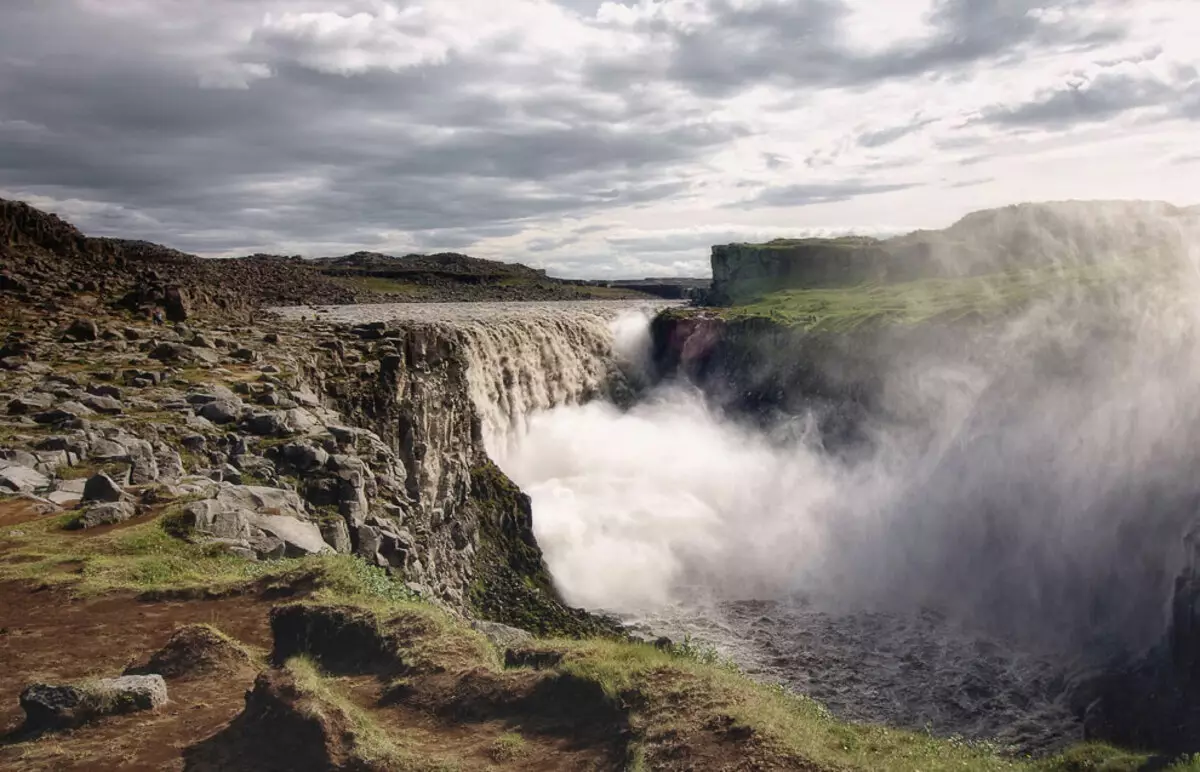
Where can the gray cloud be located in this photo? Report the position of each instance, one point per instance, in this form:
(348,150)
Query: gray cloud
(1104,97)
(230,126)
(821,193)
(801,43)
(888,136)
(120,115)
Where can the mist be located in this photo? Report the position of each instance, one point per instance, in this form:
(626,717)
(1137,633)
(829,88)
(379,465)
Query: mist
(1036,481)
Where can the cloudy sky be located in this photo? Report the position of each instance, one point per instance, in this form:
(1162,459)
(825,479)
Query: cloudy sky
(614,138)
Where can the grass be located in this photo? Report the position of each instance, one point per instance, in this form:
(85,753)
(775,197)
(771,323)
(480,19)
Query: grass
(688,680)
(114,469)
(383,285)
(846,309)
(509,747)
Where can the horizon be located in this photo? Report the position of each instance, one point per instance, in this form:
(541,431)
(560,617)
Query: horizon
(601,140)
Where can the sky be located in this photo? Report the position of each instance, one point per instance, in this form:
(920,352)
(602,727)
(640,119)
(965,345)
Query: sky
(605,139)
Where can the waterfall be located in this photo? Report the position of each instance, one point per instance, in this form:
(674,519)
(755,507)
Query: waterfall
(545,358)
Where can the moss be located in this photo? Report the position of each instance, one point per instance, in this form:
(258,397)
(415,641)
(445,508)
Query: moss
(512,584)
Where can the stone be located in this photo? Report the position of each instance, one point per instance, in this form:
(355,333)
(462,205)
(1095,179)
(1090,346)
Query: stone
(220,412)
(271,521)
(502,636)
(177,305)
(337,535)
(101,487)
(34,402)
(269,424)
(105,513)
(82,330)
(245,355)
(49,706)
(173,352)
(304,457)
(15,478)
(105,405)
(105,390)
(56,417)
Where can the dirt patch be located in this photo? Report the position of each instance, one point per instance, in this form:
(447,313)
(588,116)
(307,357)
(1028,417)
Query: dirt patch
(19,510)
(54,638)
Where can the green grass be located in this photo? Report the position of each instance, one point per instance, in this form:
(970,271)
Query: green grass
(845,309)
(145,558)
(370,742)
(383,285)
(509,747)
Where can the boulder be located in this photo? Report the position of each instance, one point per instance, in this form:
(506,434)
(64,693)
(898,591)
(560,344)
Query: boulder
(502,636)
(101,487)
(105,405)
(271,522)
(177,305)
(268,424)
(34,402)
(82,330)
(173,352)
(105,513)
(15,478)
(221,411)
(59,707)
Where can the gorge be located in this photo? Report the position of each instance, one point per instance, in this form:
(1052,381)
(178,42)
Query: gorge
(961,505)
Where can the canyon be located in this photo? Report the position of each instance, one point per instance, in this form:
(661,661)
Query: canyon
(974,521)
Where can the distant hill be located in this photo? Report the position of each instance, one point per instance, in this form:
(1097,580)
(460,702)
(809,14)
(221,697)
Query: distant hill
(43,258)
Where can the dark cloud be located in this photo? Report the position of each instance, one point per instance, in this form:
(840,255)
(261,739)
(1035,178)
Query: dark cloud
(1100,99)
(111,107)
(821,193)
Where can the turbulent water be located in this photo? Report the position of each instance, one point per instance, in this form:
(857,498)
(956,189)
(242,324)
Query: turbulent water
(685,524)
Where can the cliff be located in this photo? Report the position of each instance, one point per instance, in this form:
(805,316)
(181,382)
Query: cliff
(1052,236)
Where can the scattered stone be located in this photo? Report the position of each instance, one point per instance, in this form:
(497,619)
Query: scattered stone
(104,390)
(173,352)
(101,487)
(60,707)
(245,355)
(15,478)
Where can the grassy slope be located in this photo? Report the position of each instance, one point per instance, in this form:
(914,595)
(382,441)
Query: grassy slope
(842,309)
(144,558)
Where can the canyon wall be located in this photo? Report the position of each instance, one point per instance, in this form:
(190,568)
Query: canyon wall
(1060,235)
(446,399)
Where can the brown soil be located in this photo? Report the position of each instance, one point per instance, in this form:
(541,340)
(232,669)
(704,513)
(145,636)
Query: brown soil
(49,636)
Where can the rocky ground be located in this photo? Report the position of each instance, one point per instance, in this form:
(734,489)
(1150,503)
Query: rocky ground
(45,259)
